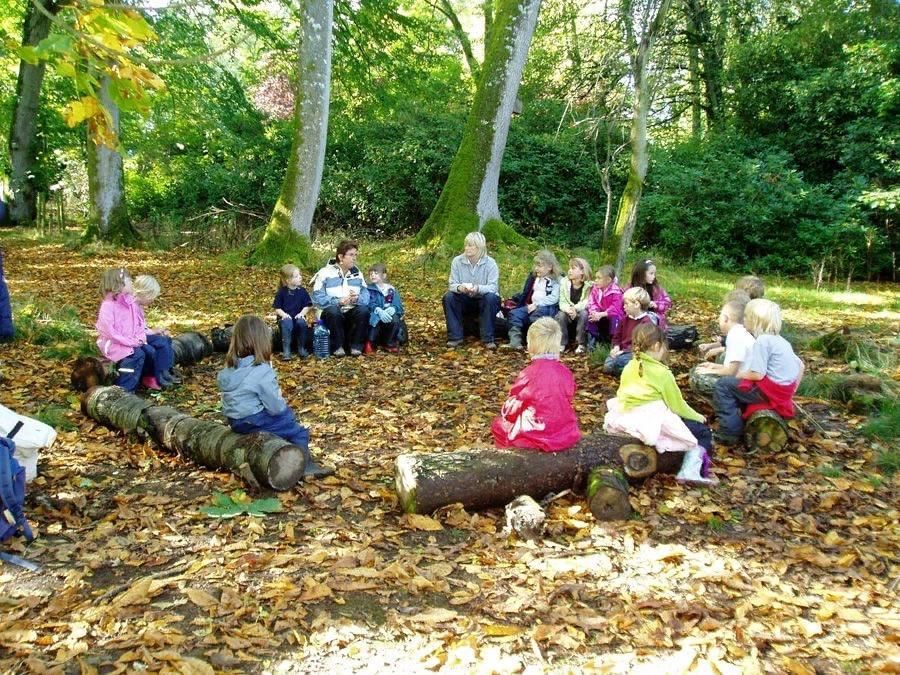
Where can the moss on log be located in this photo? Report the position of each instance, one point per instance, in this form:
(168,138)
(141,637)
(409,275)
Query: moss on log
(271,461)
(481,478)
(765,430)
(607,494)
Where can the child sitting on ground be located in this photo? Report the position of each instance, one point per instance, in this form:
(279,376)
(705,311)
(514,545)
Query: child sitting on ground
(643,275)
(738,341)
(604,307)
(746,288)
(292,304)
(767,380)
(538,410)
(386,311)
(635,301)
(574,290)
(251,398)
(751,285)
(649,406)
(121,334)
(146,290)
(539,297)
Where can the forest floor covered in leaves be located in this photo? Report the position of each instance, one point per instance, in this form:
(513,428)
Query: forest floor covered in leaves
(790,564)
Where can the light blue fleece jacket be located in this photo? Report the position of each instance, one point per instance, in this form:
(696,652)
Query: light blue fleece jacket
(249,389)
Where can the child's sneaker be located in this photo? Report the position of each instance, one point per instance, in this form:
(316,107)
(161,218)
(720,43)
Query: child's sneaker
(287,356)
(150,383)
(579,349)
(303,353)
(368,348)
(393,349)
(724,439)
(174,377)
(339,352)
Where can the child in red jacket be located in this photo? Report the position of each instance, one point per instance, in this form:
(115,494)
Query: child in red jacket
(538,410)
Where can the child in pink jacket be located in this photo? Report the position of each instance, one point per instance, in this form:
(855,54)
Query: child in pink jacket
(604,308)
(121,336)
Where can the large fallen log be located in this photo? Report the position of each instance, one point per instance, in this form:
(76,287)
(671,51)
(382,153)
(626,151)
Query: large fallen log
(262,459)
(481,478)
(92,371)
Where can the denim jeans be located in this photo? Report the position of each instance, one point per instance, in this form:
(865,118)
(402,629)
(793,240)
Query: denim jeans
(729,401)
(352,324)
(614,365)
(291,327)
(163,357)
(284,425)
(458,305)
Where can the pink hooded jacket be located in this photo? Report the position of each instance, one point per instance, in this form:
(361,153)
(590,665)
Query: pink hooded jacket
(120,326)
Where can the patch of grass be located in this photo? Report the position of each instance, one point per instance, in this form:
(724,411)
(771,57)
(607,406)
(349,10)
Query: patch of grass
(43,324)
(885,425)
(716,524)
(830,470)
(598,355)
(797,337)
(63,351)
(56,416)
(818,386)
(875,480)
(888,462)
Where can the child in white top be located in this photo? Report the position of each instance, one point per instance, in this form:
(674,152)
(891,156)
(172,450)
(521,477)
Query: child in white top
(738,341)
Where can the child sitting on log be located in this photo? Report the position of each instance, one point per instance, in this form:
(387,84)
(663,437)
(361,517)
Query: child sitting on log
(121,334)
(636,302)
(146,290)
(538,410)
(767,380)
(604,307)
(251,397)
(386,312)
(649,406)
(292,305)
(738,342)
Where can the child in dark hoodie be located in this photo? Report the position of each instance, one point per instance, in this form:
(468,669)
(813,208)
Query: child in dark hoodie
(251,397)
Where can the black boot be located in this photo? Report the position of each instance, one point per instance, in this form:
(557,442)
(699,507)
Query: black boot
(312,469)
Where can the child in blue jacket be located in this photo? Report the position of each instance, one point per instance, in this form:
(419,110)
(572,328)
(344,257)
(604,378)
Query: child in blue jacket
(386,311)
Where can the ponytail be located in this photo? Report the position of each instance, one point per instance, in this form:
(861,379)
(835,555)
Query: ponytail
(645,336)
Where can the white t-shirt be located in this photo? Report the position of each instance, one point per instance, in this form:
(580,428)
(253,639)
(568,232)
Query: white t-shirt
(738,344)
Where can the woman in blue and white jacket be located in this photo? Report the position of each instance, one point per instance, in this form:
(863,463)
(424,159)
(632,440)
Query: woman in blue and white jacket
(339,290)
(539,297)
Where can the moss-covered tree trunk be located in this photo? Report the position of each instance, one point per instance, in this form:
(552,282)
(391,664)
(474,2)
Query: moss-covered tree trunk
(469,198)
(22,209)
(639,57)
(106,183)
(289,230)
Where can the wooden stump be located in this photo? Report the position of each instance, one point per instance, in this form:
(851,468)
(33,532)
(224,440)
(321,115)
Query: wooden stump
(765,430)
(607,494)
(702,383)
(638,460)
(481,478)
(262,459)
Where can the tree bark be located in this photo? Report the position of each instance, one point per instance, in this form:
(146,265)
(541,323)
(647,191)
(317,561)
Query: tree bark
(640,51)
(290,228)
(262,459)
(481,478)
(469,198)
(22,209)
(106,182)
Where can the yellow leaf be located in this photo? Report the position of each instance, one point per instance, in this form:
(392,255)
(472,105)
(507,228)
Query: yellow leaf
(859,629)
(201,598)
(500,630)
(435,615)
(810,628)
(419,522)
(137,594)
(80,110)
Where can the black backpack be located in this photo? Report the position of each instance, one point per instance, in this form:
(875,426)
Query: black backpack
(682,337)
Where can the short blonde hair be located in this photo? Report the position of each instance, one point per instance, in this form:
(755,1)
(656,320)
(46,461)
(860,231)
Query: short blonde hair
(545,257)
(734,309)
(762,317)
(146,288)
(544,337)
(637,294)
(112,280)
(477,239)
(287,271)
(752,285)
(583,265)
(250,336)
(738,295)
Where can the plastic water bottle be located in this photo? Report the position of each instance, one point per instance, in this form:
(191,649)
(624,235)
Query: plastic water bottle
(321,341)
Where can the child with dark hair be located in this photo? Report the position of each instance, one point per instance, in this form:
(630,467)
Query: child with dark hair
(644,276)
(6,321)
(251,397)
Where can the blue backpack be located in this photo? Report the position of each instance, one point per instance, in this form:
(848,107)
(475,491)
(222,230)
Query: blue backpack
(12,490)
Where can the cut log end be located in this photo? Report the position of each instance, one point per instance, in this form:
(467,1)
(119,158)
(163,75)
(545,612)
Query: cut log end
(285,468)
(638,461)
(607,495)
(765,431)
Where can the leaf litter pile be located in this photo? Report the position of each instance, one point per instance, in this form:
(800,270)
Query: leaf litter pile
(789,565)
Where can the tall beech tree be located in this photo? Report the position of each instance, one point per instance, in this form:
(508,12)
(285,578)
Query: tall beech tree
(25,114)
(469,198)
(290,227)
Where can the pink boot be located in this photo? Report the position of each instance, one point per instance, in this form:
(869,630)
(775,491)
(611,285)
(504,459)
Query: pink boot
(150,383)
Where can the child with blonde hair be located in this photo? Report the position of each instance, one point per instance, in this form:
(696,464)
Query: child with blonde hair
(574,290)
(146,290)
(767,380)
(121,331)
(605,308)
(251,397)
(738,341)
(292,304)
(753,286)
(539,297)
(538,410)
(649,406)
(636,301)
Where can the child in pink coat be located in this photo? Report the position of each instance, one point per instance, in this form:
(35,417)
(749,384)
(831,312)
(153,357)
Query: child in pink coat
(644,276)
(604,308)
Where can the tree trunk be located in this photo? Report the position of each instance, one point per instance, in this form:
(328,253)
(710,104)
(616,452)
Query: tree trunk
(290,228)
(22,209)
(469,198)
(481,478)
(640,51)
(106,183)
(262,459)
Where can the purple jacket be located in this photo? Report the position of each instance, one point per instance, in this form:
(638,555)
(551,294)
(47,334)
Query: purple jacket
(120,326)
(607,300)
(663,302)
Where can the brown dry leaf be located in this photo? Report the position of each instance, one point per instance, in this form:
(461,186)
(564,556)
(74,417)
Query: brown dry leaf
(417,521)
(434,615)
(201,598)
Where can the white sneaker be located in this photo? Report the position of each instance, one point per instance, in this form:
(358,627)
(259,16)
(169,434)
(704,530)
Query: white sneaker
(580,349)
(339,352)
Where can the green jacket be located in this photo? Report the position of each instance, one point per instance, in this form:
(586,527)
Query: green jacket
(565,287)
(655,384)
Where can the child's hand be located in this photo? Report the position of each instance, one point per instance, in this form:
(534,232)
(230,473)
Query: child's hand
(531,307)
(595,316)
(571,311)
(615,351)
(652,305)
